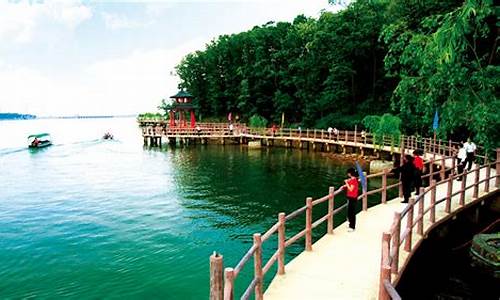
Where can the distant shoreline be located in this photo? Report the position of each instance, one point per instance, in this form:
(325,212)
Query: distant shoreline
(19,117)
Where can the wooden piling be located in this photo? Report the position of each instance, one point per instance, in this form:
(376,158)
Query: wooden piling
(449,192)
(443,168)
(365,197)
(420,223)
(216,277)
(384,186)
(281,243)
(385,269)
(228,284)
(309,208)
(433,202)
(395,243)
(257,262)
(488,176)
(331,195)
(462,189)
(475,190)
(409,225)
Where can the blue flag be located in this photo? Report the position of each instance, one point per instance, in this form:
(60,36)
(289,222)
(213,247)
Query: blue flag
(435,123)
(361,176)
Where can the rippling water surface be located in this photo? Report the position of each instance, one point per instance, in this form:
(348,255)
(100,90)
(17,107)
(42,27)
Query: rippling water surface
(92,219)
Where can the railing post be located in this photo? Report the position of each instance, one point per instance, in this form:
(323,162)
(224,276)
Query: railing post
(488,176)
(322,134)
(449,192)
(463,186)
(314,134)
(409,225)
(281,243)
(420,224)
(309,208)
(450,149)
(497,179)
(216,277)
(365,196)
(355,134)
(443,168)
(331,195)
(401,151)
(307,133)
(385,269)
(228,284)
(453,164)
(346,138)
(433,202)
(384,186)
(431,169)
(395,243)
(257,262)
(475,191)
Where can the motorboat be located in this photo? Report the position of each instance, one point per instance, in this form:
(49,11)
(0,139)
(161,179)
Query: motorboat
(40,140)
(107,136)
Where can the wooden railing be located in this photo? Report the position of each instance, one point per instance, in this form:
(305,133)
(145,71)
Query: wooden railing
(411,220)
(435,166)
(255,251)
(354,138)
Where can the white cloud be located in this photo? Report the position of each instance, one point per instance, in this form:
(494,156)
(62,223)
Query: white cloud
(126,85)
(19,21)
(115,22)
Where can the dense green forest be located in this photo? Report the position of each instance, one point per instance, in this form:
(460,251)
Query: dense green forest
(405,57)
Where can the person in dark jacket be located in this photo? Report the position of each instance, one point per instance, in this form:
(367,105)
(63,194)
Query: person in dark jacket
(408,173)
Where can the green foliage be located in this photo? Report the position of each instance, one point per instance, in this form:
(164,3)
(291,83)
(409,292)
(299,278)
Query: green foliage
(447,63)
(405,57)
(165,107)
(257,121)
(309,69)
(150,116)
(386,125)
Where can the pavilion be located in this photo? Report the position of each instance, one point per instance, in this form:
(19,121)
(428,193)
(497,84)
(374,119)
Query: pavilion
(181,106)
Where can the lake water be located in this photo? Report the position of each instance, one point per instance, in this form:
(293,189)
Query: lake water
(92,219)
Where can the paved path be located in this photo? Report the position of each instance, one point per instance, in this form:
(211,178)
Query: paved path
(346,265)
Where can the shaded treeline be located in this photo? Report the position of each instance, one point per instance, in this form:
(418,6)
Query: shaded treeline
(406,57)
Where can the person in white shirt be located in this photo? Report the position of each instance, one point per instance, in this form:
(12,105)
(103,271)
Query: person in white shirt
(330,130)
(470,149)
(461,157)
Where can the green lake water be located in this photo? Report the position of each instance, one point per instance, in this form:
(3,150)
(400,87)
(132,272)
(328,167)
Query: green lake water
(93,219)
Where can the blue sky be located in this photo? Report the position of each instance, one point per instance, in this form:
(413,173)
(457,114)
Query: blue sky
(114,57)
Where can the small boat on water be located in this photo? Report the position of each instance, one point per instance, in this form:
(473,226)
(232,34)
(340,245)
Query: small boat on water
(40,140)
(107,136)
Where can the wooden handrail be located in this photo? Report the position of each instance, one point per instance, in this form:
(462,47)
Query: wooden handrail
(397,236)
(387,290)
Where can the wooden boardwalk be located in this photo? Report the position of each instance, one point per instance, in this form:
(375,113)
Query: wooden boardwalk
(367,263)
(346,265)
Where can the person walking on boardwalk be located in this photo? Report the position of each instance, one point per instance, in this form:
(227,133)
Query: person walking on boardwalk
(470,149)
(407,176)
(351,187)
(461,160)
(419,166)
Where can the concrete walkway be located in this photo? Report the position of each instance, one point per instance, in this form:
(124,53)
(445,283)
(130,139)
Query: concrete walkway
(346,265)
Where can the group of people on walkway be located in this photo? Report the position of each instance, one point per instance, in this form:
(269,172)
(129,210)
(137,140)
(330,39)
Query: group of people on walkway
(410,177)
